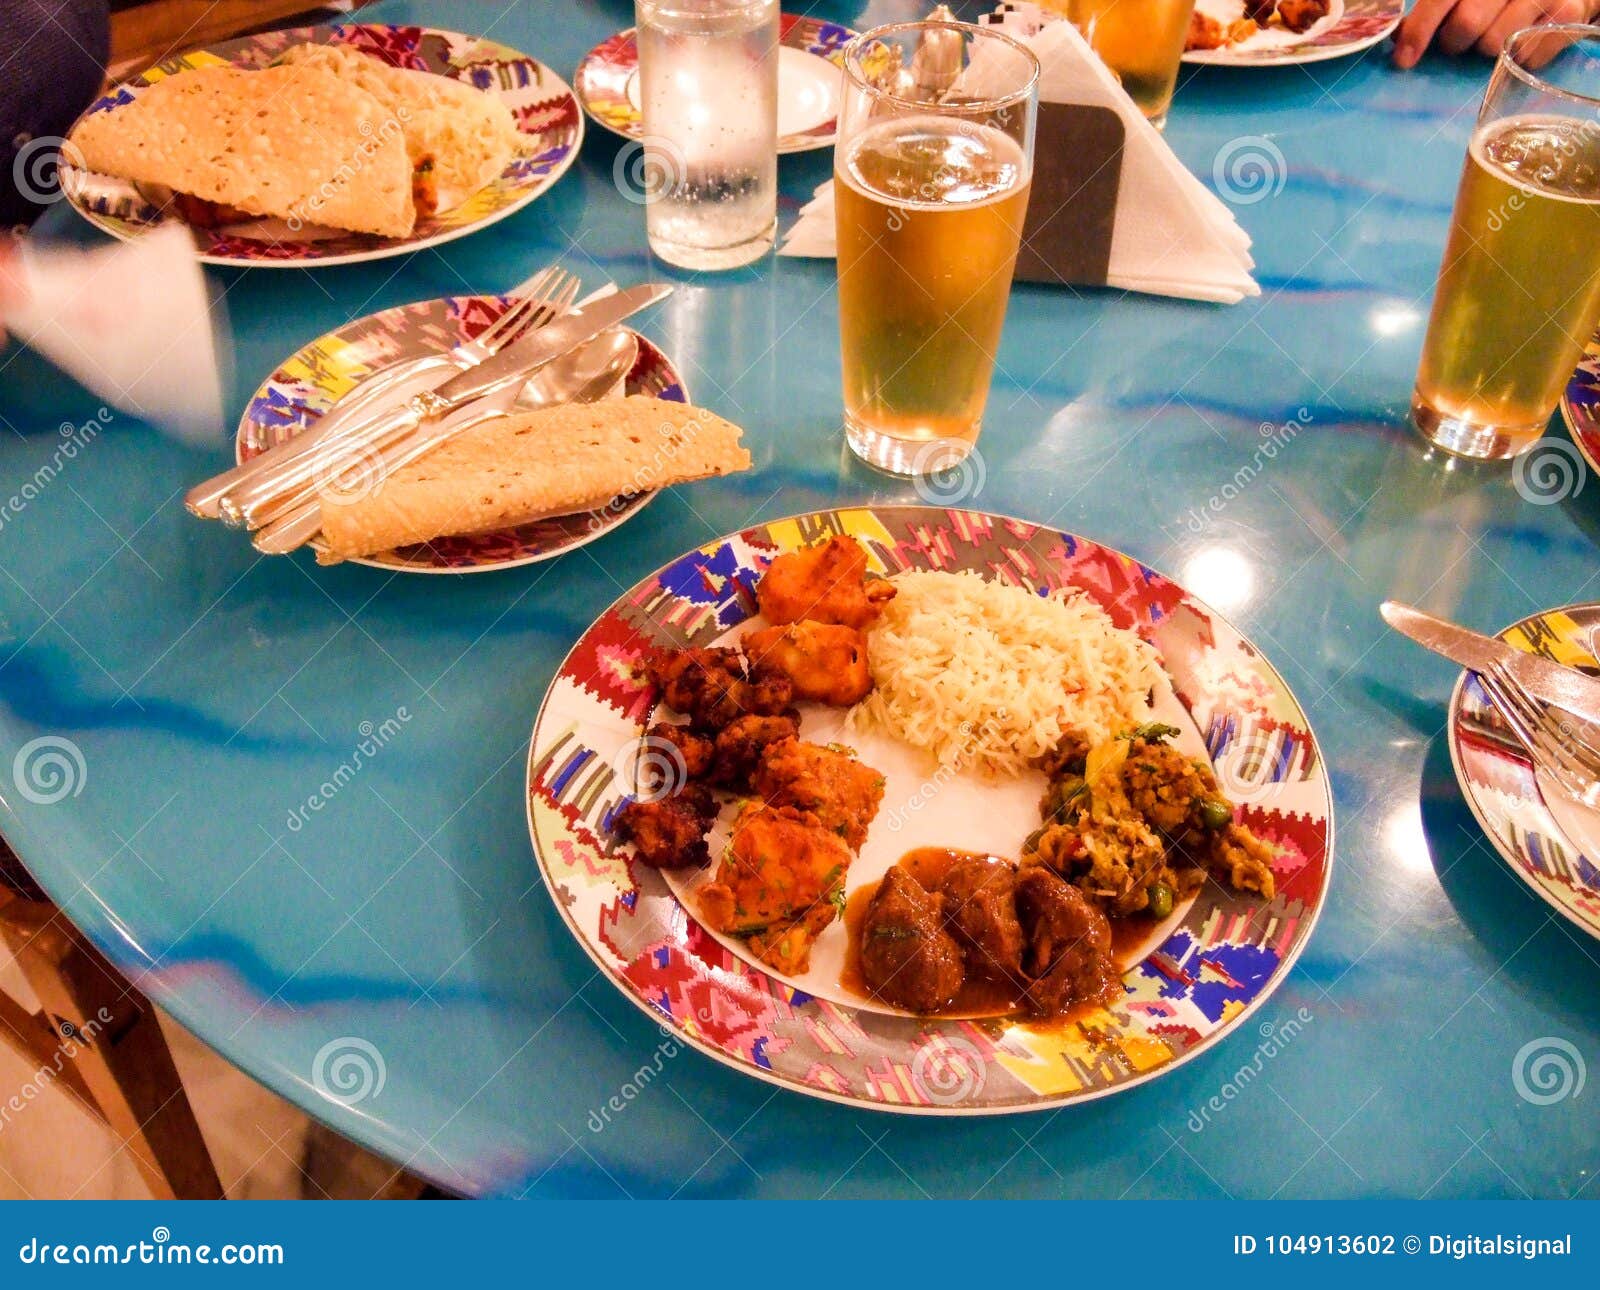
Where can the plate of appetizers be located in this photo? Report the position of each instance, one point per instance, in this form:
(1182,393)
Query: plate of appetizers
(930,810)
(323,145)
(1550,840)
(1273,33)
(810,53)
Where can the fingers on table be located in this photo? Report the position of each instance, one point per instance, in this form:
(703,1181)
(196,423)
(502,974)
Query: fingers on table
(1514,17)
(1417,30)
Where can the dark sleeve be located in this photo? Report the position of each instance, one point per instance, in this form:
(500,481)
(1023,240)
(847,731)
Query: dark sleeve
(58,51)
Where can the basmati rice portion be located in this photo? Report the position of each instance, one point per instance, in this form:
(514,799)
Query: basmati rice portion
(990,675)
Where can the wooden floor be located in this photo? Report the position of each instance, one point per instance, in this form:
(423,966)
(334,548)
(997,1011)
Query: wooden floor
(263,1147)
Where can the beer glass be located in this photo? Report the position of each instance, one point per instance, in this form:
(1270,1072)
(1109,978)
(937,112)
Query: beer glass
(930,189)
(1518,293)
(1141,41)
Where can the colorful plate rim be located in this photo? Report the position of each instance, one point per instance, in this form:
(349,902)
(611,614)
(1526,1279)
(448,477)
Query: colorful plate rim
(1523,849)
(1362,25)
(936,1038)
(524,179)
(1580,404)
(601,79)
(455,319)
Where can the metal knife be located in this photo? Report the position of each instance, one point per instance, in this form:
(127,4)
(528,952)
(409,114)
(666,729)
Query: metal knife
(516,362)
(1548,681)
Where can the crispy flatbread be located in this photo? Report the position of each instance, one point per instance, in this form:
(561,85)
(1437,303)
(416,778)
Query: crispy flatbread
(297,143)
(519,468)
(465,134)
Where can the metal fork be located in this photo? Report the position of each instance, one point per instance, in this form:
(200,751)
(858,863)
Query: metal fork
(264,496)
(205,499)
(1555,746)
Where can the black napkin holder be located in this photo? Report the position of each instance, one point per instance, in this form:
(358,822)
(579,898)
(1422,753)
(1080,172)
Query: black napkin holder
(1072,207)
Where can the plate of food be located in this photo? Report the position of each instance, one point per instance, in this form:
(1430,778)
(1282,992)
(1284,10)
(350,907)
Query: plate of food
(323,145)
(1550,839)
(1580,404)
(810,55)
(589,469)
(930,810)
(1273,33)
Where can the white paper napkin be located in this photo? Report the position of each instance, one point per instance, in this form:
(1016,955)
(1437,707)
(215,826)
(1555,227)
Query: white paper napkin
(1172,237)
(134,322)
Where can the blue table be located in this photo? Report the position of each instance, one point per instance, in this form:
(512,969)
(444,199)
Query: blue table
(211,692)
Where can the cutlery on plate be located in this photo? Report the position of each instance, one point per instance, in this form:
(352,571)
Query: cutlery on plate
(1543,736)
(1548,681)
(364,444)
(542,297)
(589,372)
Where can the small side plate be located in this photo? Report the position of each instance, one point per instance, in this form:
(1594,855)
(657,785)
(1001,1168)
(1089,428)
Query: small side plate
(311,380)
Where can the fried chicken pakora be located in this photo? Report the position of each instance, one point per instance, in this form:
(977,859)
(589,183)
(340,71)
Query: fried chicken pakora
(843,794)
(826,583)
(1301,15)
(713,688)
(780,882)
(743,742)
(669,832)
(826,662)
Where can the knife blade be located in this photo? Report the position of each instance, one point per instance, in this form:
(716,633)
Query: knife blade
(549,342)
(242,506)
(1550,682)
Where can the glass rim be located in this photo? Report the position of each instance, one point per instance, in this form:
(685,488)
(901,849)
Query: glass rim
(853,53)
(1508,61)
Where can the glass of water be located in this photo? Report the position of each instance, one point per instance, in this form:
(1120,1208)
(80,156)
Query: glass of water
(708,79)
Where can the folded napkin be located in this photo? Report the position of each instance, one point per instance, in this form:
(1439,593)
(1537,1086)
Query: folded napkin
(1172,235)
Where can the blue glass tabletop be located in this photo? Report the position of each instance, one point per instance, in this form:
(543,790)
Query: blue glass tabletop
(400,928)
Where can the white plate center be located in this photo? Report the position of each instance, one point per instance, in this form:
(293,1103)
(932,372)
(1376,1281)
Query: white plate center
(808,91)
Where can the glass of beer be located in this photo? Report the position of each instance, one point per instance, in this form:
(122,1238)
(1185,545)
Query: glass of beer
(1518,294)
(1141,41)
(931,173)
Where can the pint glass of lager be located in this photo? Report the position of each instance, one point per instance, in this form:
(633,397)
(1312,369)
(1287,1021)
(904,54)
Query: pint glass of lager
(930,189)
(1518,294)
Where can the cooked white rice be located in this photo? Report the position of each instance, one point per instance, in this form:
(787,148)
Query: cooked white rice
(990,675)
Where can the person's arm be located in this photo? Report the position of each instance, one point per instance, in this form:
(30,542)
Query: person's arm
(1456,26)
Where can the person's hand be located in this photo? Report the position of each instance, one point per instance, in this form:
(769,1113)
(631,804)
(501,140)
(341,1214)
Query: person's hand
(10,282)
(1459,25)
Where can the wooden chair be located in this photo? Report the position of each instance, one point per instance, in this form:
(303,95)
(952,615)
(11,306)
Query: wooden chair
(100,1040)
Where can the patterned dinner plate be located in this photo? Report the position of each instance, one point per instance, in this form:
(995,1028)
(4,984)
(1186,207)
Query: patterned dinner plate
(314,378)
(1195,979)
(543,105)
(1349,27)
(1550,841)
(1580,405)
(810,55)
